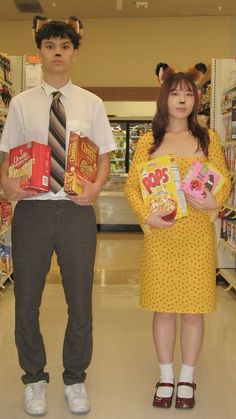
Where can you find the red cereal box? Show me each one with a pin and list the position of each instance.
(82, 163)
(32, 160)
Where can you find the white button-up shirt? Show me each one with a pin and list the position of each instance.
(28, 120)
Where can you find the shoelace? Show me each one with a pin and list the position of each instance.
(37, 390)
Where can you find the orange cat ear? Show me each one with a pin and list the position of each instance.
(76, 24)
(38, 22)
(163, 72)
(197, 72)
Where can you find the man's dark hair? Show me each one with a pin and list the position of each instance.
(57, 29)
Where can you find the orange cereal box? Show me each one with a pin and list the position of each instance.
(32, 160)
(160, 186)
(82, 163)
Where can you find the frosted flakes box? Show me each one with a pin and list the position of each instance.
(160, 185)
(32, 160)
(82, 163)
(202, 176)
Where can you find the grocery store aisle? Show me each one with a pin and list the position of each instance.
(123, 372)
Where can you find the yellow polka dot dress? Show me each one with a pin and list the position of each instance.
(177, 272)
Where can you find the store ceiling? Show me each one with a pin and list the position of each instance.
(60, 9)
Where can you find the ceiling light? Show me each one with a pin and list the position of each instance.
(119, 4)
(141, 4)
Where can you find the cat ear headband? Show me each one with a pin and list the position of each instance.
(163, 72)
(73, 21)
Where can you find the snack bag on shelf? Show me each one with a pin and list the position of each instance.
(202, 176)
(82, 163)
(32, 160)
(160, 186)
(6, 212)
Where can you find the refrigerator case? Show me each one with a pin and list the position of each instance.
(111, 207)
(126, 134)
(223, 95)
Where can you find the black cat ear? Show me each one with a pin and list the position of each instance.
(163, 72)
(197, 72)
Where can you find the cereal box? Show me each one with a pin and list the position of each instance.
(82, 163)
(160, 186)
(32, 160)
(202, 176)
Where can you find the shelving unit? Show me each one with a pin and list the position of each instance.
(223, 94)
(6, 273)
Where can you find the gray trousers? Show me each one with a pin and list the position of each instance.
(39, 228)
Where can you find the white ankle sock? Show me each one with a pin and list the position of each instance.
(186, 374)
(166, 376)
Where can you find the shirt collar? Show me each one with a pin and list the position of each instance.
(65, 90)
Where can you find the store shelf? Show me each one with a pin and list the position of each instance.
(4, 230)
(227, 245)
(5, 82)
(229, 275)
(3, 110)
(4, 279)
(229, 90)
(230, 207)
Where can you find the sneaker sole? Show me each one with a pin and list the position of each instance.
(35, 414)
(80, 412)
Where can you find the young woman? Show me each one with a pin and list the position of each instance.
(178, 267)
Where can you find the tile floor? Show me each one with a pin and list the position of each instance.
(123, 372)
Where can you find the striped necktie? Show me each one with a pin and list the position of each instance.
(57, 142)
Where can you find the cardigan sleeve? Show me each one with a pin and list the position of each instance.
(132, 187)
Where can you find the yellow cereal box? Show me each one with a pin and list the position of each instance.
(160, 186)
(82, 163)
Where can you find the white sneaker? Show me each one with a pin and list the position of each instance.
(77, 398)
(35, 398)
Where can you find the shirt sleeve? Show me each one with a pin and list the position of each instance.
(216, 157)
(101, 130)
(13, 129)
(132, 187)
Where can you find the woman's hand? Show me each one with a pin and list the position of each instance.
(208, 202)
(154, 220)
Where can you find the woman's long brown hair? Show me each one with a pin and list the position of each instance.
(160, 120)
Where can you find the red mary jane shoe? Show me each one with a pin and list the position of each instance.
(183, 402)
(164, 402)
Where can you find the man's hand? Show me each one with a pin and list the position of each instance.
(12, 189)
(88, 195)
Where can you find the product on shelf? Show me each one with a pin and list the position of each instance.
(5, 213)
(5, 68)
(159, 182)
(31, 160)
(82, 163)
(233, 119)
(5, 259)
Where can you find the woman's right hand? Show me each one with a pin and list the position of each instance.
(155, 220)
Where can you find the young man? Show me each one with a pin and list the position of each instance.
(54, 221)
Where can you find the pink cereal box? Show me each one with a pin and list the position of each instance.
(202, 176)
